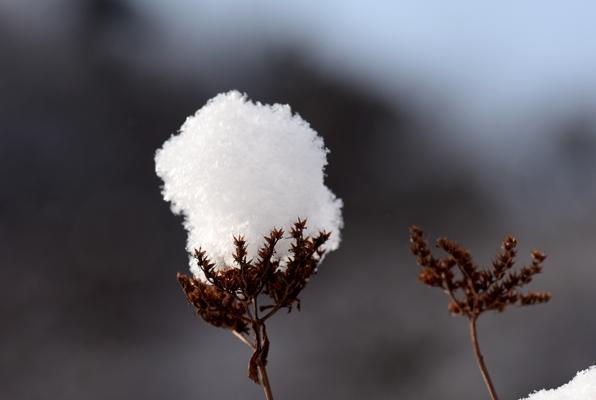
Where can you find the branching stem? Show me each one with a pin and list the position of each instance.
(229, 297)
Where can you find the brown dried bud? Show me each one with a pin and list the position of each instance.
(538, 256)
(454, 308)
(429, 277)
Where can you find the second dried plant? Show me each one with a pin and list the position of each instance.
(473, 290)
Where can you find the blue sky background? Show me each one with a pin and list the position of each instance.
(483, 59)
(480, 54)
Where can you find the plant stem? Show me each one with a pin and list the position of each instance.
(480, 359)
(262, 369)
(261, 339)
(265, 382)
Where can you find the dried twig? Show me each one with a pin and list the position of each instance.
(473, 290)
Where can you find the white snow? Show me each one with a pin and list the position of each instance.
(582, 387)
(242, 168)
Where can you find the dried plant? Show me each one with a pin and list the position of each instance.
(473, 290)
(226, 172)
(230, 297)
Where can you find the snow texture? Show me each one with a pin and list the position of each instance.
(582, 387)
(242, 168)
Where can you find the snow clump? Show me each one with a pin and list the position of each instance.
(582, 387)
(242, 168)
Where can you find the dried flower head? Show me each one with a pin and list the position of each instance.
(231, 297)
(472, 290)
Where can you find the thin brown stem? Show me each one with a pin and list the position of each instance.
(265, 382)
(243, 339)
(263, 377)
(272, 311)
(261, 340)
(277, 306)
(480, 359)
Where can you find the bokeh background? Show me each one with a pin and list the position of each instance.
(472, 120)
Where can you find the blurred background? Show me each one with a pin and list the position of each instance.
(472, 120)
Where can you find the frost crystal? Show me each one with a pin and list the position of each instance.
(240, 168)
(582, 387)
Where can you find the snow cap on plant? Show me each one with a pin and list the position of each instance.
(582, 387)
(238, 168)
